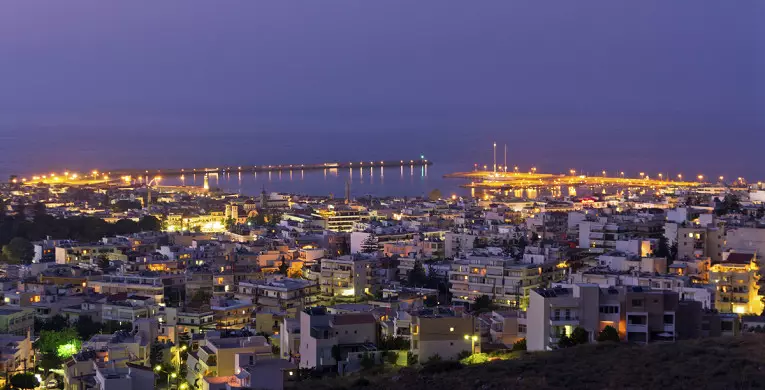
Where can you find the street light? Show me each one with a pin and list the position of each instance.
(472, 339)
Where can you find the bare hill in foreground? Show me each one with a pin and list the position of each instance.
(722, 363)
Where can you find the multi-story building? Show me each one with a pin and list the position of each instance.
(736, 283)
(341, 219)
(216, 356)
(322, 332)
(507, 327)
(187, 320)
(289, 336)
(601, 236)
(156, 287)
(347, 275)
(639, 314)
(280, 296)
(504, 280)
(232, 313)
(16, 321)
(128, 310)
(441, 331)
(130, 377)
(16, 354)
(87, 253)
(700, 242)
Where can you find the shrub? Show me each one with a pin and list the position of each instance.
(411, 359)
(609, 333)
(463, 355)
(519, 345)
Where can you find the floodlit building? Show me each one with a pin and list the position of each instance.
(441, 331)
(736, 283)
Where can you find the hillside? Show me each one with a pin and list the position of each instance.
(724, 363)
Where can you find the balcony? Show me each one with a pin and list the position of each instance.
(564, 320)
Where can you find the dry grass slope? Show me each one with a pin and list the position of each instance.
(724, 363)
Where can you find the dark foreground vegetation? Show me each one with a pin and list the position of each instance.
(722, 363)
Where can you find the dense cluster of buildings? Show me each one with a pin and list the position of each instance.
(259, 290)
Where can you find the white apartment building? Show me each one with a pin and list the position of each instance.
(601, 236)
(347, 275)
(505, 281)
(279, 295)
(320, 332)
(639, 314)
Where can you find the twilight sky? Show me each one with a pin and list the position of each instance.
(670, 85)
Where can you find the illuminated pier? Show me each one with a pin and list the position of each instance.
(509, 180)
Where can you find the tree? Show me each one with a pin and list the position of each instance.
(534, 238)
(417, 276)
(25, 380)
(64, 343)
(580, 336)
(662, 248)
(283, 267)
(411, 359)
(565, 342)
(673, 252)
(434, 195)
(19, 251)
(336, 353)
(156, 354)
(86, 327)
(609, 333)
(200, 297)
(103, 262)
(519, 345)
(149, 223)
(57, 322)
(49, 361)
(126, 226)
(482, 304)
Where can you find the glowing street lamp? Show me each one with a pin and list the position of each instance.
(472, 339)
(680, 176)
(700, 177)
